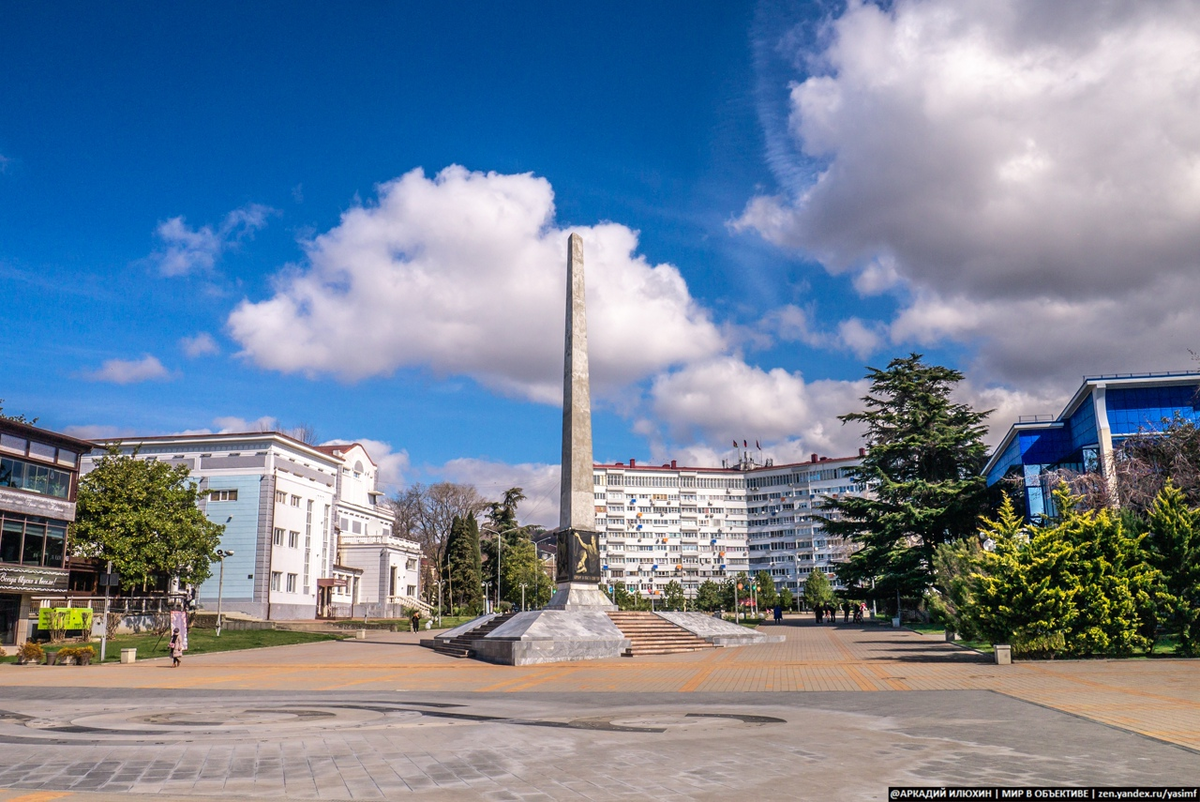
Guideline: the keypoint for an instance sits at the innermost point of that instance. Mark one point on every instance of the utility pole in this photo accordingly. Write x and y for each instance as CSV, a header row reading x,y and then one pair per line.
x,y
221,555
523,596
104,631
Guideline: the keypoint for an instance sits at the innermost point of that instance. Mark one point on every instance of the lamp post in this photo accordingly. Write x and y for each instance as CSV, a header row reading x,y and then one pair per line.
x,y
221,555
523,596
487,589
499,544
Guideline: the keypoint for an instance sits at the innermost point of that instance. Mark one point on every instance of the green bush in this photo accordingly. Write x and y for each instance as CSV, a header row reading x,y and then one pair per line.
x,y
30,652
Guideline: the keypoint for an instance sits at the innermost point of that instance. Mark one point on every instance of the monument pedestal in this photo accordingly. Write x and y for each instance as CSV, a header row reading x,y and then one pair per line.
x,y
582,596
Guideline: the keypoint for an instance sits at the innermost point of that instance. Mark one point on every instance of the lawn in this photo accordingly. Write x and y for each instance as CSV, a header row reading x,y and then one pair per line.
x,y
200,641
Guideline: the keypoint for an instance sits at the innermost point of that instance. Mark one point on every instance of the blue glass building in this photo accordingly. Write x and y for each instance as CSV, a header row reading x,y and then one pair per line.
x,y
1103,412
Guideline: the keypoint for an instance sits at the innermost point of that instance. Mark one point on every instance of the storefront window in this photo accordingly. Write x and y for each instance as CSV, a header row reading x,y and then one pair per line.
x,y
10,542
35,534
38,478
56,535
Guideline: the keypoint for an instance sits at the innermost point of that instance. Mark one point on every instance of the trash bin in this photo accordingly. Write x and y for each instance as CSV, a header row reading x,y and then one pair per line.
x,y
1003,654
129,655
360,634
896,622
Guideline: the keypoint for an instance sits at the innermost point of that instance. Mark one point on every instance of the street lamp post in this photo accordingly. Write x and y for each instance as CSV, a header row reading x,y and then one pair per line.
x,y
487,589
221,555
523,596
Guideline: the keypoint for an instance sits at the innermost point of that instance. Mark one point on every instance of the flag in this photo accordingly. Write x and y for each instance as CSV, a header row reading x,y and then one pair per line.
x,y
756,445
745,444
735,443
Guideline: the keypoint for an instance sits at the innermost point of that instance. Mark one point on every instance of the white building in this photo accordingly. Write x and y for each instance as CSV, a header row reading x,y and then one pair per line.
x,y
389,566
280,501
666,522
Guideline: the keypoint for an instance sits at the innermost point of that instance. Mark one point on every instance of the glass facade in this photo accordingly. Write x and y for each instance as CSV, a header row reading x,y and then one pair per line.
x,y
43,479
30,540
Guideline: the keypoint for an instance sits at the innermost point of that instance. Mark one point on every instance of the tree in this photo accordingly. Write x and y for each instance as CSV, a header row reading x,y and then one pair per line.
x,y
922,465
1079,586
673,598
622,597
425,514
1175,551
708,596
143,515
463,565
786,599
817,589
766,589
521,565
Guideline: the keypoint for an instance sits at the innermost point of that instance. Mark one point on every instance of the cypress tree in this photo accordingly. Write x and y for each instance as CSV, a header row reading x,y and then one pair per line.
x,y
1175,550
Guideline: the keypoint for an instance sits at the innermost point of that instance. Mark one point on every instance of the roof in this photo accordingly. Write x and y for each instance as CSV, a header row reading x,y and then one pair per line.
x,y
208,437
338,450
756,469
34,433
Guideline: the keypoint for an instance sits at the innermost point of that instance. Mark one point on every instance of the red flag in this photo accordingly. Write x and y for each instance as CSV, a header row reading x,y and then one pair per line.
x,y
745,444
735,443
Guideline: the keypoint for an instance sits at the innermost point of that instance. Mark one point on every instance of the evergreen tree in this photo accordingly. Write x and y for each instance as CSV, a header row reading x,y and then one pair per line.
x,y
922,466
786,599
464,565
817,589
1175,550
708,596
143,515
673,598
622,597
1079,586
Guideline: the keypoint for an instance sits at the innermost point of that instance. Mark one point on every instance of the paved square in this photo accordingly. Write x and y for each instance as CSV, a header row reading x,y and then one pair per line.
x,y
832,712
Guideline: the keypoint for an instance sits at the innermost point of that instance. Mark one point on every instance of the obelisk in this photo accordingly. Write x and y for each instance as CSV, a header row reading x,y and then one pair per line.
x,y
578,545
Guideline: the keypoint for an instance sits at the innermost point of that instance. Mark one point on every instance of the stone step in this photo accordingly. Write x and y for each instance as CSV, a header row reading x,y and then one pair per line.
x,y
649,634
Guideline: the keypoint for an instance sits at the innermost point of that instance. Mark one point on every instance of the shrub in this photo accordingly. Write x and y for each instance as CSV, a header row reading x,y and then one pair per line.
x,y
30,652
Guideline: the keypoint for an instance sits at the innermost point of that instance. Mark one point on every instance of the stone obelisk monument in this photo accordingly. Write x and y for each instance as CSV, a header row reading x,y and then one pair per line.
x,y
578,548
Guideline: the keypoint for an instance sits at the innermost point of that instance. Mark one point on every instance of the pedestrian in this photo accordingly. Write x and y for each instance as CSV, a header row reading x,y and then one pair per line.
x,y
820,611
778,613
176,649
415,621
719,614
831,611
845,612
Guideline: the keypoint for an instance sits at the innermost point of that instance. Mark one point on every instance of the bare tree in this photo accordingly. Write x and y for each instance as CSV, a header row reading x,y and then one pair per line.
x,y
424,513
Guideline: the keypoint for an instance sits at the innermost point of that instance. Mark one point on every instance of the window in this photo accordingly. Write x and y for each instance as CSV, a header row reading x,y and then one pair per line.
x,y
37,478
280,497
222,495
293,540
291,583
295,501
277,538
357,527
392,582
276,578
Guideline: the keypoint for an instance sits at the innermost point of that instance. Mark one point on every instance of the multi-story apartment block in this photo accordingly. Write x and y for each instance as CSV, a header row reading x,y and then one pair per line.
x,y
664,523
283,503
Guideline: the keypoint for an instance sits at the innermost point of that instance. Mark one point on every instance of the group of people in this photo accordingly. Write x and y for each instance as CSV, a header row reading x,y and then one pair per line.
x,y
830,611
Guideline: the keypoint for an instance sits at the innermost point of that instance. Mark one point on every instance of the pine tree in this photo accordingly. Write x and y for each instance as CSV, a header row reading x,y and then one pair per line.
x,y
1175,550
708,596
464,564
817,589
673,598
922,466
766,590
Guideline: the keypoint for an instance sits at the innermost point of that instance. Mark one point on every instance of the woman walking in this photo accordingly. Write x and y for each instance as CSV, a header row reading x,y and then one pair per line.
x,y
176,649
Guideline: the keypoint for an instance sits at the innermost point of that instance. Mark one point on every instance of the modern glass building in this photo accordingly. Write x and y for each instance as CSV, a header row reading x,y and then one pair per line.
x,y
1105,411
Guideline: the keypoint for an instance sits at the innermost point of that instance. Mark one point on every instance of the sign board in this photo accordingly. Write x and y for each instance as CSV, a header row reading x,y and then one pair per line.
x,y
37,504
64,618
31,580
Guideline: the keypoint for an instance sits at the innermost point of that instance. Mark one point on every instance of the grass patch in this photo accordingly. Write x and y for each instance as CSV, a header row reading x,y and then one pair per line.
x,y
200,641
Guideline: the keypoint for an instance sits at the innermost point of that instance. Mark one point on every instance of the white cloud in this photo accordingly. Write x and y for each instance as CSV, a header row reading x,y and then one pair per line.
x,y
861,337
190,250
725,399
465,273
1027,172
231,424
97,431
129,371
790,323
201,344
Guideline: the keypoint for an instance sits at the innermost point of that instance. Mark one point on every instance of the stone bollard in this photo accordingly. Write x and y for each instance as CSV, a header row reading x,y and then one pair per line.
x,y
896,622
360,634
951,635
1003,654
129,655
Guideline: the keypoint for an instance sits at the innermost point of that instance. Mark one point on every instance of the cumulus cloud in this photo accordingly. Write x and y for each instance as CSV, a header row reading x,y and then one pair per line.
x,y
201,344
464,273
725,399
1029,173
129,371
97,431
187,250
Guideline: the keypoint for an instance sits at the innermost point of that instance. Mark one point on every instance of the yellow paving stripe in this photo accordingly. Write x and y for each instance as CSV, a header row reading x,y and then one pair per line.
x,y
40,796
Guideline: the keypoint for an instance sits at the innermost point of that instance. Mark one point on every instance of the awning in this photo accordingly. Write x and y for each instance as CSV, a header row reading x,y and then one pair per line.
x,y
331,583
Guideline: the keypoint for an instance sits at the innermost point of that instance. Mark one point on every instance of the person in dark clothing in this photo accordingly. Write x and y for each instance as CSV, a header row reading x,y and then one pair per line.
x,y
778,613
415,621
820,611
845,612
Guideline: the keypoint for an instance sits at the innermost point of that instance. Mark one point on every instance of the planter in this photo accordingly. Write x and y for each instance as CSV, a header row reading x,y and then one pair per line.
x,y
129,655
1003,654
360,634
896,622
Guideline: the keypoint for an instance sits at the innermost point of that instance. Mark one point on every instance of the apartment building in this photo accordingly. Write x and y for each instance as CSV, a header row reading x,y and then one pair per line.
x,y
660,523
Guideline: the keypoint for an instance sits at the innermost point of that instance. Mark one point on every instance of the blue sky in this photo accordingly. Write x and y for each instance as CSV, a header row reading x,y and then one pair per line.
x,y
772,196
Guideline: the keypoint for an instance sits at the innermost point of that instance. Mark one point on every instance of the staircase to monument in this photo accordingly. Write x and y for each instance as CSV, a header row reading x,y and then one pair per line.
x,y
460,645
649,634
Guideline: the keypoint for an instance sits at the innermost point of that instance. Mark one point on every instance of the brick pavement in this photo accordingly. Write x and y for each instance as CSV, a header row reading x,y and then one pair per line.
x,y
1157,698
